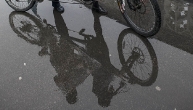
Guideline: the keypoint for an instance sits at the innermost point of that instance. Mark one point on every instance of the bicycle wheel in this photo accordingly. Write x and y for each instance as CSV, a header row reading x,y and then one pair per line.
x,y
138,58
26,26
21,5
143,16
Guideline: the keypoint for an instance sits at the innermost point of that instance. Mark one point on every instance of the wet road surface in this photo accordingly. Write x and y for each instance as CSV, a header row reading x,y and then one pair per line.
x,y
75,64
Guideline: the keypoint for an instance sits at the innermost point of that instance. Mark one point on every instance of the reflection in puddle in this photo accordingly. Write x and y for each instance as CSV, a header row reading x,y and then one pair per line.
x,y
74,64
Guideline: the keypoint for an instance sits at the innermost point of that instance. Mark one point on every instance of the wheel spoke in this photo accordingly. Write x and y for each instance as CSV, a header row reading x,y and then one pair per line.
x,y
142,15
21,5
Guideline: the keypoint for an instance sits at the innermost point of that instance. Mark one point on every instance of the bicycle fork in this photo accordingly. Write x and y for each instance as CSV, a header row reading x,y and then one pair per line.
x,y
121,4
132,4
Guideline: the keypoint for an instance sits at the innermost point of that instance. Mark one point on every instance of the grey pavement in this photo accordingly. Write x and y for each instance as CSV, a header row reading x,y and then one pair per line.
x,y
55,68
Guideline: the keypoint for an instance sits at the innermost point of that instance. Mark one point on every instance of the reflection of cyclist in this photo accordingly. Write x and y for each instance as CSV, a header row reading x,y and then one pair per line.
x,y
61,53
61,57
96,7
71,67
102,78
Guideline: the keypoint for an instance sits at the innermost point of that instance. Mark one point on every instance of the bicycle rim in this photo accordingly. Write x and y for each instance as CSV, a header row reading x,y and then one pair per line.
x,y
143,16
144,69
26,26
21,5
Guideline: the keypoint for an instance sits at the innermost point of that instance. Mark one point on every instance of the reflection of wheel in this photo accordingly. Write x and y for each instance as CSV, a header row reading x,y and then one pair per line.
x,y
138,58
21,5
26,26
143,16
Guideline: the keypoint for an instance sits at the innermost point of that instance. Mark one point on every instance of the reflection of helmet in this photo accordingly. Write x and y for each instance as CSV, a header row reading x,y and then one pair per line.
x,y
104,101
40,1
71,97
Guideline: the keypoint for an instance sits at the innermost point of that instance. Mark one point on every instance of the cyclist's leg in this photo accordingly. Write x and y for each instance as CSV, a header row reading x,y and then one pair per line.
x,y
96,7
57,6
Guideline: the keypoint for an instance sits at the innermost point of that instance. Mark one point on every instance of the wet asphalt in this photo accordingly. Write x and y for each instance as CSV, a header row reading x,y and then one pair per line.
x,y
73,60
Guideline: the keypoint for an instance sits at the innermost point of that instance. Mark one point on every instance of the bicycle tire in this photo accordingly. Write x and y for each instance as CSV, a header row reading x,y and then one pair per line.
x,y
19,5
152,56
128,11
32,40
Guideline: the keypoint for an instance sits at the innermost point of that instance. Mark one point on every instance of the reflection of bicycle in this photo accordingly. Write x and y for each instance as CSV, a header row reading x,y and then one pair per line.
x,y
138,59
143,16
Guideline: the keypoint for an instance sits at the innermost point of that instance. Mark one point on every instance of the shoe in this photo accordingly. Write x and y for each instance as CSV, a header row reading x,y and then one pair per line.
x,y
96,7
57,6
